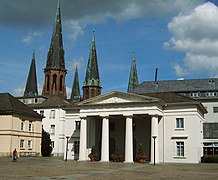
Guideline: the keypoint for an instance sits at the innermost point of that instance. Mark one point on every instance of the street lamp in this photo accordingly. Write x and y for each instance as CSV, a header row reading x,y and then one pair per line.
x,y
67,147
154,137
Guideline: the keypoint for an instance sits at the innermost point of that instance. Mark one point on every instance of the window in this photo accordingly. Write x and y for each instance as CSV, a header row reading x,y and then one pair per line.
x,y
30,126
180,148
179,123
210,94
195,94
52,114
52,144
52,130
77,125
92,93
215,109
41,113
22,125
21,144
29,144
76,147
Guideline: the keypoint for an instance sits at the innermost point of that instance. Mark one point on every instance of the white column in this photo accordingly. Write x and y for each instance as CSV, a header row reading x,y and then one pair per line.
x,y
154,133
129,141
83,141
105,140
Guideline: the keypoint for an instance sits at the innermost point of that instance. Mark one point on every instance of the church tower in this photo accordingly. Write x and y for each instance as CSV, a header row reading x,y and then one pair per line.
x,y
133,78
55,71
92,84
75,94
31,84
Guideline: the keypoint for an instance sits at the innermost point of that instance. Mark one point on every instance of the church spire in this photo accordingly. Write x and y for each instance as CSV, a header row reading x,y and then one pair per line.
x,y
75,94
55,71
92,84
133,78
31,85
55,58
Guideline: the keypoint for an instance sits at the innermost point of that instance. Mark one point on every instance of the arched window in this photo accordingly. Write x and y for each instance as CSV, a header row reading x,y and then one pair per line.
x,y
48,82
61,83
54,81
92,93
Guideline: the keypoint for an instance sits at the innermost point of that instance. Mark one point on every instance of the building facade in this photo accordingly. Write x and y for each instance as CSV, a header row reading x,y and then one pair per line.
x,y
203,90
124,121
20,128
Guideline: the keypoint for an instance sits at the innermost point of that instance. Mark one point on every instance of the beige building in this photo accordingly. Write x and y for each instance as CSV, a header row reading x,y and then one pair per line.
x,y
20,128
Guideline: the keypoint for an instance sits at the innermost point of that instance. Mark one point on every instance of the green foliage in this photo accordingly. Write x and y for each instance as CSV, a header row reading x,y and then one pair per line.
x,y
93,154
209,159
140,153
116,156
46,148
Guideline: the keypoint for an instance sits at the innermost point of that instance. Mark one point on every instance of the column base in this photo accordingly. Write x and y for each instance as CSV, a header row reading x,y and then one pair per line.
x,y
104,161
128,162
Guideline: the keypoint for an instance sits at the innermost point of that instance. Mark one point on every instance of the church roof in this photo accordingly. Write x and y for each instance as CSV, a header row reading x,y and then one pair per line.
x,y
190,85
75,94
133,78
31,85
10,105
55,57
92,73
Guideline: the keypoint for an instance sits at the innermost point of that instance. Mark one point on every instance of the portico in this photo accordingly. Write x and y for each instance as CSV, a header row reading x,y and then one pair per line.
x,y
116,121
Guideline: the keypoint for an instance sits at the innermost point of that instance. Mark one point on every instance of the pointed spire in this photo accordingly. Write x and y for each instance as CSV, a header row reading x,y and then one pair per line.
x,y
55,72
133,78
75,94
31,85
92,73
55,58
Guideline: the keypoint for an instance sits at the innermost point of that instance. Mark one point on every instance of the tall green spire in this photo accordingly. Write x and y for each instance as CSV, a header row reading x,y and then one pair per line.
x,y
55,58
133,78
75,94
92,73
31,85
55,71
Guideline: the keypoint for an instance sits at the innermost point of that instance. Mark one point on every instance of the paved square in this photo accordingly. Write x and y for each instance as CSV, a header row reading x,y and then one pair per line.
x,y
55,168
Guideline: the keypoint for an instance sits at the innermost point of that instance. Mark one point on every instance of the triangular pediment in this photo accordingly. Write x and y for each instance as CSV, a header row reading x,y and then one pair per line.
x,y
116,97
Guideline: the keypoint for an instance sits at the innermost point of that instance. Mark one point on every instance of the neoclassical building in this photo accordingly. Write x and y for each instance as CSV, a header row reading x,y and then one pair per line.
x,y
127,120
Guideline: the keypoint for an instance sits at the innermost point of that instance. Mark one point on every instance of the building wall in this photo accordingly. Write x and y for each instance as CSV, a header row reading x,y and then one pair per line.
x,y
54,123
191,135
11,134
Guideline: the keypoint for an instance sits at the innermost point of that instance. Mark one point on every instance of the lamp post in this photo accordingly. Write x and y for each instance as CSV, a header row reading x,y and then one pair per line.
x,y
67,147
154,137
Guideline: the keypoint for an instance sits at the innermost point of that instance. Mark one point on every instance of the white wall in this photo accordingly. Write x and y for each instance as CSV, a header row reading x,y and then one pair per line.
x,y
191,135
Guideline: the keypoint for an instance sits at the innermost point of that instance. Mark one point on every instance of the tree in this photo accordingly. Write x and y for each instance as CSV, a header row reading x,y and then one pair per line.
x,y
46,148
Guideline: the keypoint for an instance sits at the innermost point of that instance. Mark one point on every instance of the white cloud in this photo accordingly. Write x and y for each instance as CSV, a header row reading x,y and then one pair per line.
x,y
196,34
74,29
29,38
79,62
19,91
180,71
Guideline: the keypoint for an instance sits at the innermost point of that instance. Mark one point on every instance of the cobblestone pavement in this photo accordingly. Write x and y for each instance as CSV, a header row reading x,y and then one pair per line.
x,y
56,169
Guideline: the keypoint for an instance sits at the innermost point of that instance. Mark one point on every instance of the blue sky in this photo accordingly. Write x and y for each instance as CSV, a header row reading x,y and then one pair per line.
x,y
180,37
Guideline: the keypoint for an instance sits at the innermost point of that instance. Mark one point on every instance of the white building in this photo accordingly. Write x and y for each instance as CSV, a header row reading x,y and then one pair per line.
x,y
203,90
126,120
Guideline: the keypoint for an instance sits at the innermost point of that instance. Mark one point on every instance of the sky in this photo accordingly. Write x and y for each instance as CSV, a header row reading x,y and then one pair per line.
x,y
179,37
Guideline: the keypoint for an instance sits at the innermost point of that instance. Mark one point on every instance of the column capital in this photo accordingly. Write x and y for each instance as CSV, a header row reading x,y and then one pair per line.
x,y
128,115
105,116
154,115
83,117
